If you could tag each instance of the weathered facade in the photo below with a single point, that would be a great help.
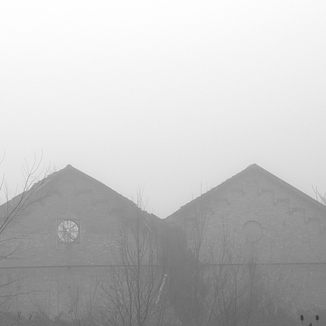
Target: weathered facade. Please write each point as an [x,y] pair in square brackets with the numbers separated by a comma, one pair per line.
[257,218]
[60,245]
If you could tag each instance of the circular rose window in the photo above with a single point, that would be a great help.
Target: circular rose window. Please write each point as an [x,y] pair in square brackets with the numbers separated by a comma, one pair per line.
[68,231]
[252,231]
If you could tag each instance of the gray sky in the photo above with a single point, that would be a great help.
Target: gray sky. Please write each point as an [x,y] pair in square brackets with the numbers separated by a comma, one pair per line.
[170,96]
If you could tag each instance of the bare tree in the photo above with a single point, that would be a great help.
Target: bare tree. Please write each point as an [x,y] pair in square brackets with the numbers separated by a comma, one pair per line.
[233,292]
[219,282]
[33,180]
[13,209]
[319,196]
[188,273]
[135,293]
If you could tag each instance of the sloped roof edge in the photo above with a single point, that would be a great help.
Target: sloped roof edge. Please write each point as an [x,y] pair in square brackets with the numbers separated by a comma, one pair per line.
[69,168]
[256,167]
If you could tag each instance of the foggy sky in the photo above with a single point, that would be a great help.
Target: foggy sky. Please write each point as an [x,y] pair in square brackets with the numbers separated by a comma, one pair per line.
[172,97]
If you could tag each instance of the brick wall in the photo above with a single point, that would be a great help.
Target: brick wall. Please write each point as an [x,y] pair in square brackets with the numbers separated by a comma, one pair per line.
[292,233]
[45,271]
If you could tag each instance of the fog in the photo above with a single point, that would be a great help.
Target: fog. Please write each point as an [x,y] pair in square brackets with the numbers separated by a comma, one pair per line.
[170,97]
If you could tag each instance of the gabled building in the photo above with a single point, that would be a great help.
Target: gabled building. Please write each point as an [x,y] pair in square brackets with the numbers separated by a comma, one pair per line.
[62,241]
[256,218]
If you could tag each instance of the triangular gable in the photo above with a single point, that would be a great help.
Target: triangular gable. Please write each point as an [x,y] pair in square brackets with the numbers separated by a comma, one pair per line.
[258,171]
[51,183]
